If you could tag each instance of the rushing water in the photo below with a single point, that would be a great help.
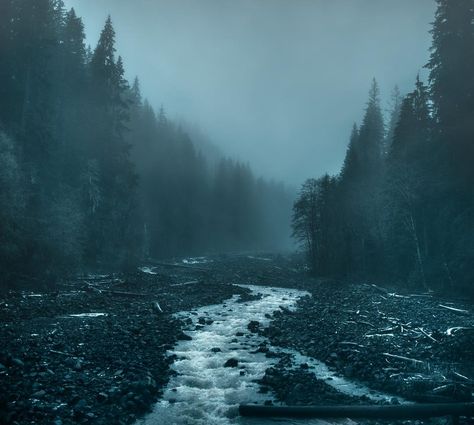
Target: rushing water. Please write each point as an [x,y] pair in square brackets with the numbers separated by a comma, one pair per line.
[204,392]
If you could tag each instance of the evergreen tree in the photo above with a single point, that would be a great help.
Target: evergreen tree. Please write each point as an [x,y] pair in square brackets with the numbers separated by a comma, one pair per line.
[396,104]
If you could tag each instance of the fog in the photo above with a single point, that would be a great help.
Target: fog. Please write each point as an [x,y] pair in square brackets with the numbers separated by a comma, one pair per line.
[276,83]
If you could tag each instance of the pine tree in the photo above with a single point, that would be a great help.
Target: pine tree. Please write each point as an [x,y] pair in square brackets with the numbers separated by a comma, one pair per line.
[396,104]
[451,68]
[407,185]
[371,135]
[351,163]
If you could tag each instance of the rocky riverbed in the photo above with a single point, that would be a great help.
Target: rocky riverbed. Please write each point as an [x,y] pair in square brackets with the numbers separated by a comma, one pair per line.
[416,347]
[94,349]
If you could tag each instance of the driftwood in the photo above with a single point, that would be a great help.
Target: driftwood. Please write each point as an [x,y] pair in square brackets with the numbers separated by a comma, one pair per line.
[354,344]
[156,307]
[396,356]
[451,331]
[408,411]
[181,266]
[427,335]
[454,310]
[124,293]
[62,353]
[191,282]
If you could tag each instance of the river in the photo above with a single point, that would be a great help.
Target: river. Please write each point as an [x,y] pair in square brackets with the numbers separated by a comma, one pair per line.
[204,391]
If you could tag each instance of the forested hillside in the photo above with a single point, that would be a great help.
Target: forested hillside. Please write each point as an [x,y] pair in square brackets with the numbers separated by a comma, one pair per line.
[91,177]
[402,207]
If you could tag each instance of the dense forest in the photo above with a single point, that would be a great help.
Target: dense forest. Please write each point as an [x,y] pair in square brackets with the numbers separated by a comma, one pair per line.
[91,177]
[402,207]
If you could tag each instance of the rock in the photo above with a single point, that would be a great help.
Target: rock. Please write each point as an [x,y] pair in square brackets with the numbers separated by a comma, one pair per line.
[39,394]
[216,350]
[231,363]
[80,405]
[102,397]
[183,337]
[18,362]
[253,326]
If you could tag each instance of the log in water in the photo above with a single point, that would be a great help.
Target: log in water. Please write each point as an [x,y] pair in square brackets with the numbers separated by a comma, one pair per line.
[412,411]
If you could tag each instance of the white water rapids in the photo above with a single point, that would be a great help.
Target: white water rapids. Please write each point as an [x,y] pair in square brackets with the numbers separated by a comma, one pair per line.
[204,392]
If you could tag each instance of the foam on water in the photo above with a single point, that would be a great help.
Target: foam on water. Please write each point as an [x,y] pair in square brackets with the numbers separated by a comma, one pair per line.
[204,392]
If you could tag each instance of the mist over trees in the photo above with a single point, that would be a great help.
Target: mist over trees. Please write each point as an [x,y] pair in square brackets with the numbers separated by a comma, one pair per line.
[91,176]
[402,207]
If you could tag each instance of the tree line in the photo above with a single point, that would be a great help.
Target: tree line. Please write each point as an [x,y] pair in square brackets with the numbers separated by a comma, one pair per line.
[401,209]
[91,176]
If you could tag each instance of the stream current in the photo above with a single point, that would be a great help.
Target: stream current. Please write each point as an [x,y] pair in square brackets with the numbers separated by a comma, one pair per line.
[204,391]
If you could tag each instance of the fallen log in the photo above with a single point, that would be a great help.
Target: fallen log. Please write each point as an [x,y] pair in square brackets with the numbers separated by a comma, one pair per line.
[191,282]
[62,353]
[427,335]
[396,356]
[454,310]
[124,293]
[408,411]
[181,266]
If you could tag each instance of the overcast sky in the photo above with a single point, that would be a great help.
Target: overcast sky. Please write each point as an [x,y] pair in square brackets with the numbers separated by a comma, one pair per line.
[277,83]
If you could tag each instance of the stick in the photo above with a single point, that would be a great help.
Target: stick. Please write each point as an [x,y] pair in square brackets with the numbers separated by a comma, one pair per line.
[157,307]
[396,356]
[428,335]
[182,266]
[126,294]
[62,353]
[455,310]
[186,283]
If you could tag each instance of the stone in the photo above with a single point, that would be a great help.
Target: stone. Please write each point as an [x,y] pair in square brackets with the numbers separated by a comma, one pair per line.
[18,362]
[231,363]
[253,326]
[40,393]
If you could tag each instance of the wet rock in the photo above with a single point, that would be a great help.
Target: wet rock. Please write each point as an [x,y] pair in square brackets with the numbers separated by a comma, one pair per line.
[102,397]
[231,363]
[183,337]
[253,326]
[39,394]
[216,350]
[17,362]
[80,405]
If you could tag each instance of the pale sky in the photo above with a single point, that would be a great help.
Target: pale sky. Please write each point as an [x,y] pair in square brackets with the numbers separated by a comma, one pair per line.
[277,83]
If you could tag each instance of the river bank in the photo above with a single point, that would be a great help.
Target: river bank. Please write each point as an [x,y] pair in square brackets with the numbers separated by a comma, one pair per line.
[94,350]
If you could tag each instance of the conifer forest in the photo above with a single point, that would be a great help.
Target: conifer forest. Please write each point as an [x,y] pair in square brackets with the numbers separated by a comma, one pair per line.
[236,212]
